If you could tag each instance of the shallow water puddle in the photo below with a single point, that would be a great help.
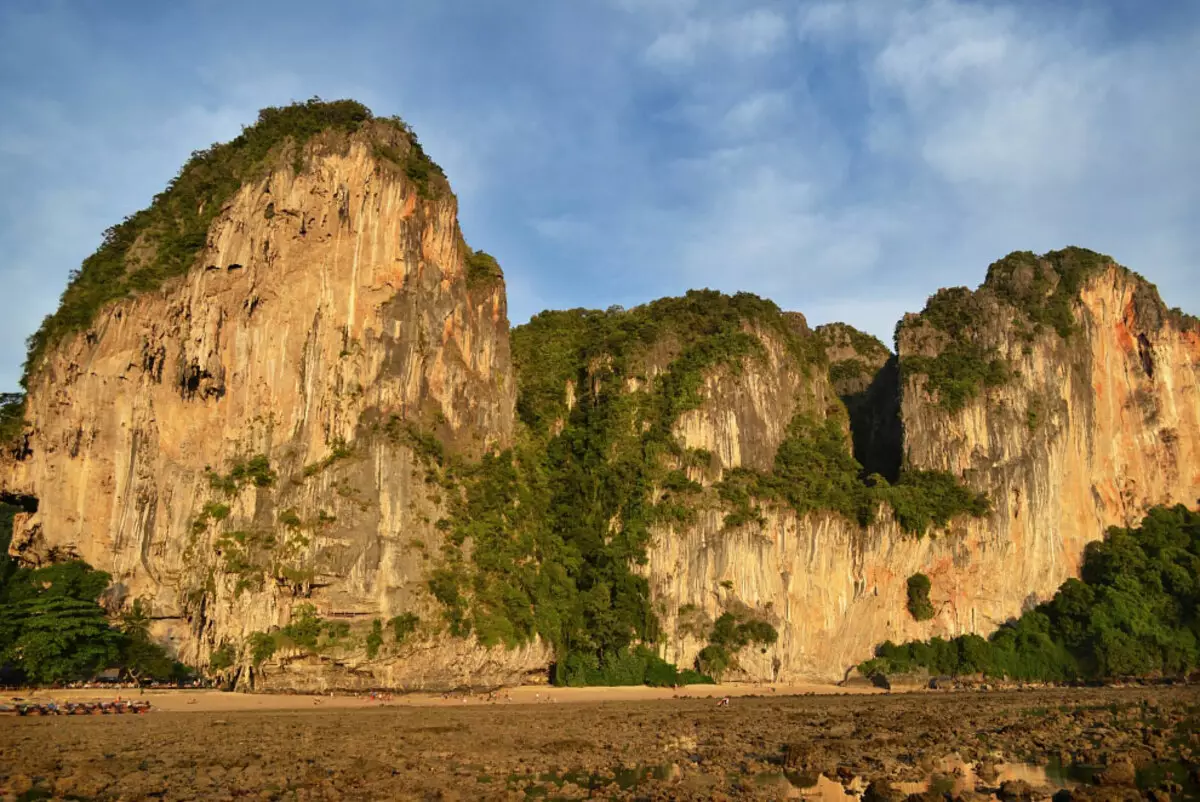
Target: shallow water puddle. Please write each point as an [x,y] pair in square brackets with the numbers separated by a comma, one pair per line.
[951,775]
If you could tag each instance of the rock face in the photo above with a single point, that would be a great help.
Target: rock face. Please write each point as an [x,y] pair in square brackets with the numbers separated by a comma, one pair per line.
[330,327]
[1087,432]
[263,439]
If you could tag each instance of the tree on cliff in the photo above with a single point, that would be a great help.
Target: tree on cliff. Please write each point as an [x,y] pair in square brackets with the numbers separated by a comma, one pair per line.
[918,597]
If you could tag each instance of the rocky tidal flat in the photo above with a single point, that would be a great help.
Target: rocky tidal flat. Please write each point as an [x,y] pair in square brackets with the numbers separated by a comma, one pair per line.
[1135,743]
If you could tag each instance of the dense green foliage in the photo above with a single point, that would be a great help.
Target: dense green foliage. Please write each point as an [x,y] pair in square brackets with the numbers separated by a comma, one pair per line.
[814,471]
[1134,611]
[482,268]
[163,240]
[12,417]
[918,603]
[921,499]
[52,629]
[627,666]
[558,524]
[958,372]
[1044,288]
[729,635]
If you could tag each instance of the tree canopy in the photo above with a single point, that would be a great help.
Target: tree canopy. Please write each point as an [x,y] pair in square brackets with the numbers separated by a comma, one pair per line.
[52,629]
[1133,612]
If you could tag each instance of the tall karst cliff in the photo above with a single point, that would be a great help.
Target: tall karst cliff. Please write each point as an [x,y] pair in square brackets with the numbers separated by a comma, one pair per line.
[1063,389]
[300,437]
[255,433]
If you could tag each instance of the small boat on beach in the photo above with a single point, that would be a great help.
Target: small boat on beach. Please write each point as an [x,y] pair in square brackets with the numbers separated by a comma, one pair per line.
[73,708]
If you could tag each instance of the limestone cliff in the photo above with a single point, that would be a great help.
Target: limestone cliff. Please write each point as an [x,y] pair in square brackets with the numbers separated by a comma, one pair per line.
[301,437]
[255,434]
[1072,434]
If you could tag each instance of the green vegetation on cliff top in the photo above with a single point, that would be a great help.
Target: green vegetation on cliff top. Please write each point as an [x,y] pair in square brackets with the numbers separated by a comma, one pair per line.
[865,345]
[700,330]
[1135,611]
[1041,289]
[163,240]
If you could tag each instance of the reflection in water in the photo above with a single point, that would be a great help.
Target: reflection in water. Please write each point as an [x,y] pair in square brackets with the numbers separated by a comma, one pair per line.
[950,775]
[828,790]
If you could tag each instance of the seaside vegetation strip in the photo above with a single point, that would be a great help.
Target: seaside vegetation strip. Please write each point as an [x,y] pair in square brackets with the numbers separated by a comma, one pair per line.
[1133,612]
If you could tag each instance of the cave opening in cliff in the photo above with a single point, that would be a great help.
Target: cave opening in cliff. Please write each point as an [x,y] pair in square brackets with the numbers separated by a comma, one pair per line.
[1146,355]
[875,429]
[28,504]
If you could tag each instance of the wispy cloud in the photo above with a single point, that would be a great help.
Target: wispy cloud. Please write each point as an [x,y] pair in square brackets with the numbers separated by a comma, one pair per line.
[747,34]
[846,158]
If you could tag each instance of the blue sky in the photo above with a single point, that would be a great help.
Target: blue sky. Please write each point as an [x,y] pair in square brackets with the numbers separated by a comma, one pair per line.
[845,159]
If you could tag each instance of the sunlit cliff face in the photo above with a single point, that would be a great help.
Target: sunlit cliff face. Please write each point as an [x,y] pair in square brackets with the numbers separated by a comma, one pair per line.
[332,329]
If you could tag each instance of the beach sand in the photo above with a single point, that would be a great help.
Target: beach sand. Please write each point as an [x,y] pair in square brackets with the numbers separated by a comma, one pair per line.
[182,701]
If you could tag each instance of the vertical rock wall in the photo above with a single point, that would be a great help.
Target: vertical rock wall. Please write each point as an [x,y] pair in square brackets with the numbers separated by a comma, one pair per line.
[331,320]
[1087,433]
[269,431]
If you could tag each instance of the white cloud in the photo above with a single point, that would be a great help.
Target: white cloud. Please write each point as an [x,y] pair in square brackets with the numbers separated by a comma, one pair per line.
[753,33]
[563,229]
[758,32]
[757,112]
[846,162]
[680,46]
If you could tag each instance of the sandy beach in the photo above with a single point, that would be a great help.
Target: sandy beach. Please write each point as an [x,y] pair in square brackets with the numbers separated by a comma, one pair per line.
[205,701]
